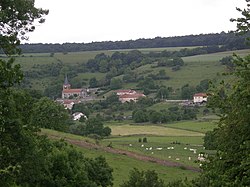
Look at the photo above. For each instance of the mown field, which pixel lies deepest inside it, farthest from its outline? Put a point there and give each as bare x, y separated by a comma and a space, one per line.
175, 139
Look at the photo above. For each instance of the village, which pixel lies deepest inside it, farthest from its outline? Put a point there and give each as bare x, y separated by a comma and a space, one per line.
70, 97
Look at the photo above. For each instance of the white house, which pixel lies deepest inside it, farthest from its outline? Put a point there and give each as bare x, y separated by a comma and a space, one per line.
78, 115
200, 97
68, 104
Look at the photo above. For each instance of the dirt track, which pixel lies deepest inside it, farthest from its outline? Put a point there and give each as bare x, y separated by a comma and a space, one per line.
134, 155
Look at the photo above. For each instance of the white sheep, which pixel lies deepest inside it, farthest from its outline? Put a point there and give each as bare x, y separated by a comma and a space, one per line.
159, 148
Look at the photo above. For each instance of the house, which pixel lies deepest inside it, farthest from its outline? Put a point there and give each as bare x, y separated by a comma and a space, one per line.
67, 92
200, 97
68, 103
78, 115
130, 97
125, 92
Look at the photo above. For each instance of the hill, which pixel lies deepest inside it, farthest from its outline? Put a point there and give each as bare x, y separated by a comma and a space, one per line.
46, 72
228, 40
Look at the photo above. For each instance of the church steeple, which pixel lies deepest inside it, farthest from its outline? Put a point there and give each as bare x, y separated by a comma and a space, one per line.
66, 85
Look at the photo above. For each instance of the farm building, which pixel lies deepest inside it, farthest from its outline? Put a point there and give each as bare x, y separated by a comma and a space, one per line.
130, 97
200, 97
125, 92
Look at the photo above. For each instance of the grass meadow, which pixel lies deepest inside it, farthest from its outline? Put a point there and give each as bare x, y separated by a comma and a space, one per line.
175, 141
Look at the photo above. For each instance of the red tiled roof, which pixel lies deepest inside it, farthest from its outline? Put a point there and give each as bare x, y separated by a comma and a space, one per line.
131, 96
72, 91
200, 95
70, 101
123, 91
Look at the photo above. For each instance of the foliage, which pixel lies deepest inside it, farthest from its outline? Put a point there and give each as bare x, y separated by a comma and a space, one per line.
28, 159
231, 139
230, 166
147, 178
16, 20
162, 93
48, 114
164, 116
90, 127
211, 42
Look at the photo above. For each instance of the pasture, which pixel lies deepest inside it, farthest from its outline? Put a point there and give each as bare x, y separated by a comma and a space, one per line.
178, 142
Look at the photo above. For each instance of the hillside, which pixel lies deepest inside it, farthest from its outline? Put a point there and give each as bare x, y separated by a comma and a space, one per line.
45, 72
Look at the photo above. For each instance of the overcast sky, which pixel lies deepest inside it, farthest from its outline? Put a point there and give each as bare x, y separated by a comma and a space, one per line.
115, 20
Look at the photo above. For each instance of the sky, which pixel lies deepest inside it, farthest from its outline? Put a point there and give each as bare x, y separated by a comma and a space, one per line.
86, 21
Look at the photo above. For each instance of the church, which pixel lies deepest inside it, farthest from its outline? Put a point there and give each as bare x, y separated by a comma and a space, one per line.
68, 93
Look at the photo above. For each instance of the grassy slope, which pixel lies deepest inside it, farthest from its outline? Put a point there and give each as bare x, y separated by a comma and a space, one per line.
122, 164
186, 134
196, 68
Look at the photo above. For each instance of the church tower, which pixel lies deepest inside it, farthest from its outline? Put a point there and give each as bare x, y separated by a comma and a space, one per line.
66, 85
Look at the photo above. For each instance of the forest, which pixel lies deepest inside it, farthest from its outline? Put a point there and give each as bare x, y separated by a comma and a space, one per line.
228, 40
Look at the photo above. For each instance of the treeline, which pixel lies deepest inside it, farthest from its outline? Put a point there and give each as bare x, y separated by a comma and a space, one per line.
230, 40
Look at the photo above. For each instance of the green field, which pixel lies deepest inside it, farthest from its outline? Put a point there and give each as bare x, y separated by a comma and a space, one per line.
182, 136
122, 165
125, 130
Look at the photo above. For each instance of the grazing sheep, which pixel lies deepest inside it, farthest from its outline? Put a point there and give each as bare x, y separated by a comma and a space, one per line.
150, 148
200, 158
169, 156
152, 153
130, 145
194, 150
159, 148
146, 148
185, 148
177, 159
189, 158
142, 145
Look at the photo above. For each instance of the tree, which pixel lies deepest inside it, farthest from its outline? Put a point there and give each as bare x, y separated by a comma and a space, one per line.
140, 116
95, 126
115, 83
162, 93
48, 114
147, 178
187, 92
230, 166
16, 139
93, 82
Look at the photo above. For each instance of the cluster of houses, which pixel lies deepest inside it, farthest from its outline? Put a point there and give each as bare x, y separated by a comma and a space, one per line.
128, 95
74, 96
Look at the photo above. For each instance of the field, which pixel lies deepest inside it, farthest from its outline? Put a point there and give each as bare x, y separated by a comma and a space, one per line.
176, 140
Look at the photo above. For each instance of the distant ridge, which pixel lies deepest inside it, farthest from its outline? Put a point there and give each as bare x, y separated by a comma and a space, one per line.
230, 40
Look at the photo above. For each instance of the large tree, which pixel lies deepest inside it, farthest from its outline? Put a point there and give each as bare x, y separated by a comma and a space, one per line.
231, 165
16, 140
27, 159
